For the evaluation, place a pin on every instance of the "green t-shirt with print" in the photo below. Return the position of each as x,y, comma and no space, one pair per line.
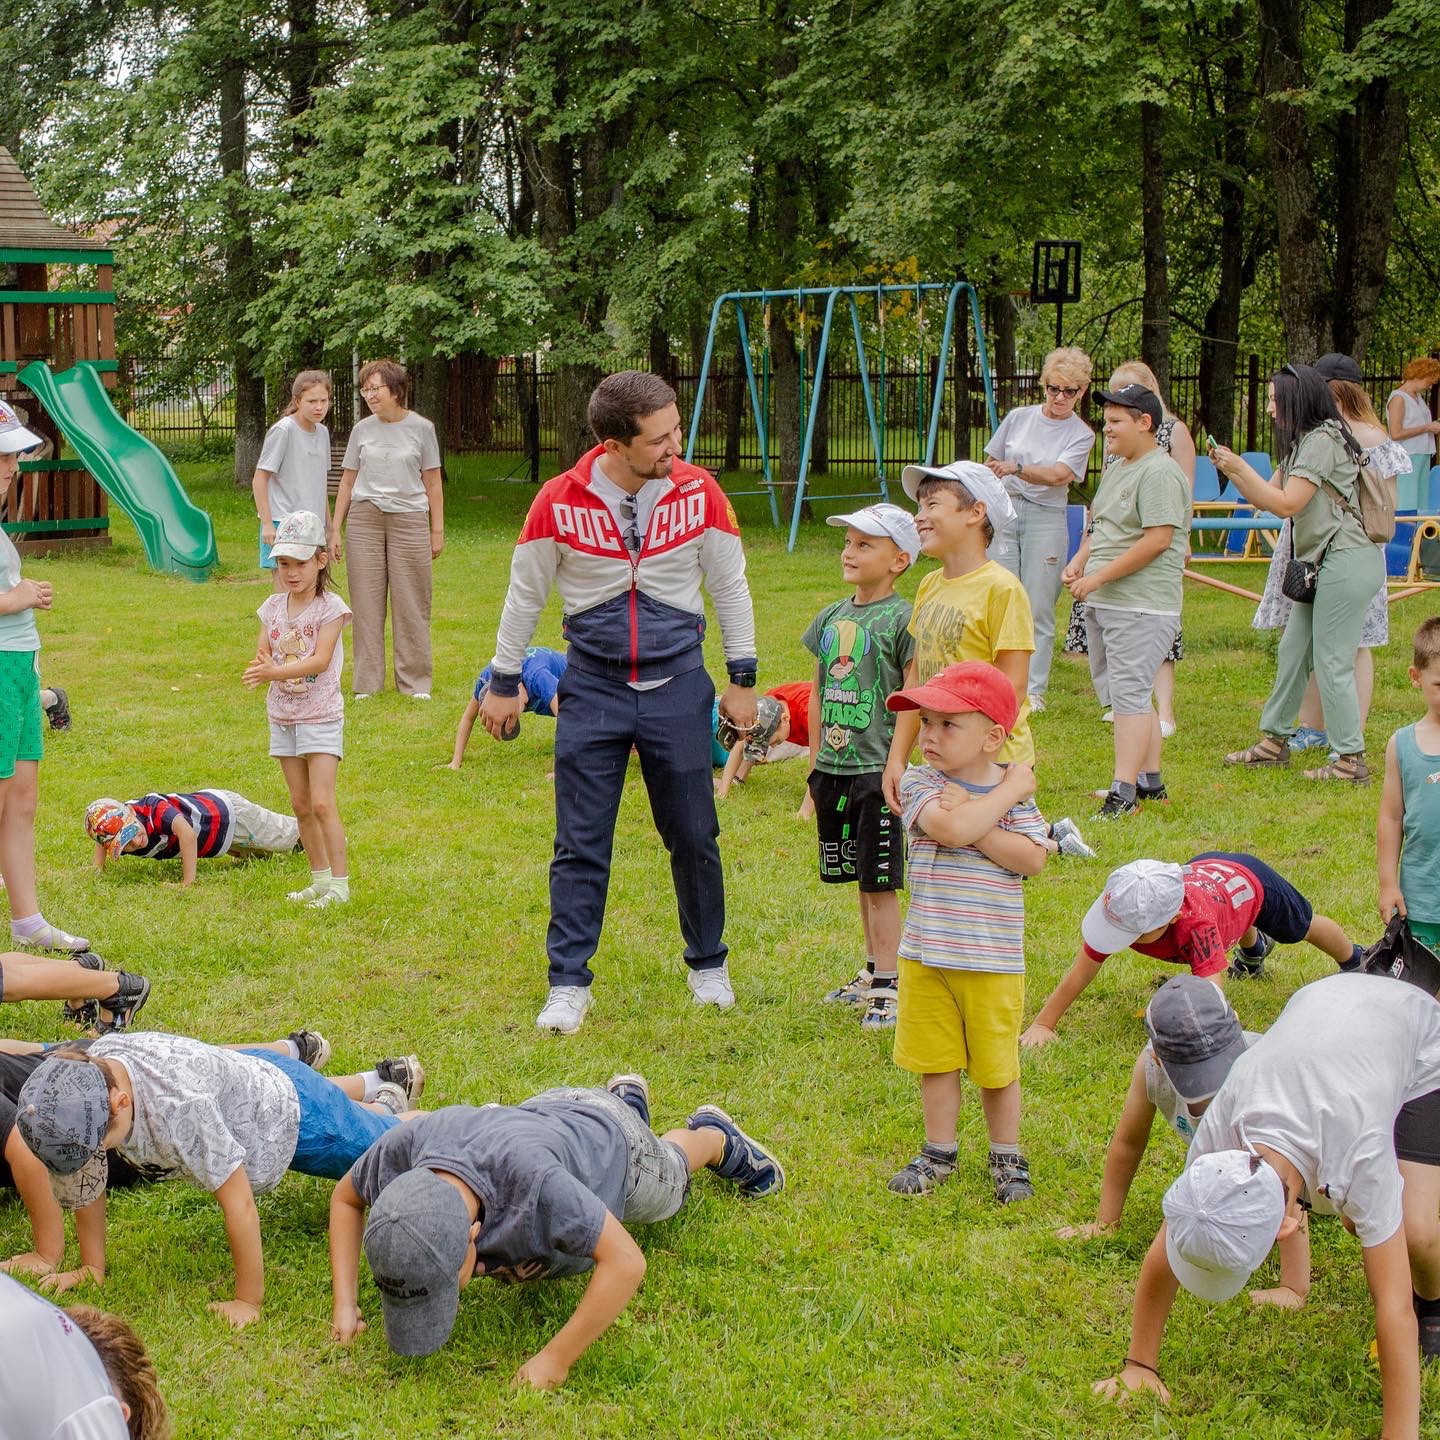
863,651
1320,456
1135,496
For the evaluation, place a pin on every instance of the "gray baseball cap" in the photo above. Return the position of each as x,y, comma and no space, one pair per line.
1195,1035
64,1111
415,1241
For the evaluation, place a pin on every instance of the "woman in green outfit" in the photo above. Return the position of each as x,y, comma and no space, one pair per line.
20,717
1318,488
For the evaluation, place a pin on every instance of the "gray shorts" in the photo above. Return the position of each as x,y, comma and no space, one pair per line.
1127,648
657,1175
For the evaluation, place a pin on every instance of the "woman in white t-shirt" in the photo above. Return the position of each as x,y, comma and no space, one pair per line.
390,494
294,465
1039,451
1409,421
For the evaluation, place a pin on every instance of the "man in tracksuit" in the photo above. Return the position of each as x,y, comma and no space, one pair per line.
629,535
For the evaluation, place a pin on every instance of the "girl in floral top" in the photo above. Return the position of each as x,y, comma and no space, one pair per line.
300,653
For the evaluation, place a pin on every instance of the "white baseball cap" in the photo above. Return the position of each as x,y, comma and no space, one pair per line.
15,439
298,536
887,521
1221,1218
1140,896
978,479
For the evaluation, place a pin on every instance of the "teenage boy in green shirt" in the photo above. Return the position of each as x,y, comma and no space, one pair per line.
1129,573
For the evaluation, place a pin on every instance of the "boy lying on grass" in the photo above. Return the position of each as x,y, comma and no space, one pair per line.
1193,914
523,1192
230,1121
1304,1120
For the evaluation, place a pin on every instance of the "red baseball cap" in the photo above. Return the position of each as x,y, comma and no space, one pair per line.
973,685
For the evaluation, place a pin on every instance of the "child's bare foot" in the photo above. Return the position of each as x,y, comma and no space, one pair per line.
1281,1295
1091,1230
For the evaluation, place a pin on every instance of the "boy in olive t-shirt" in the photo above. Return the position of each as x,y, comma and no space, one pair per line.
863,645
1129,573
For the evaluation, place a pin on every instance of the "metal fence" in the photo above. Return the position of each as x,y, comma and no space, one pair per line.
506,405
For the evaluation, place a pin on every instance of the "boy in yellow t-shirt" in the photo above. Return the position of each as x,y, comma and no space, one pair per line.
972,608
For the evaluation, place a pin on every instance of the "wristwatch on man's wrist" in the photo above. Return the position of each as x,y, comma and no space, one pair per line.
745,679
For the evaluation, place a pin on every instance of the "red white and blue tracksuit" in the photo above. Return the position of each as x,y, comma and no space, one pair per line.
630,619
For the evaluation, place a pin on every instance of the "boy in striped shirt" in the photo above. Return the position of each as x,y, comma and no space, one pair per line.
974,832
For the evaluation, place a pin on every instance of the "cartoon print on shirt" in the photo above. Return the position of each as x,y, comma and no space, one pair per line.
288,646
843,707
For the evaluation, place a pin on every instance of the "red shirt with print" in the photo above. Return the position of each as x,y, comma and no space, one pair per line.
1221,902
796,699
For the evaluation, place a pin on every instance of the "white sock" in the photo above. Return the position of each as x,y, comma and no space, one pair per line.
338,885
291,1049
372,1085
320,879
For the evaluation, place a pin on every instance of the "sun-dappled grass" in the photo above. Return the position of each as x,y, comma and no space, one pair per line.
835,1309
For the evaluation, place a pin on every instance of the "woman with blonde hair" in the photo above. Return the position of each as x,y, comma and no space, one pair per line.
1173,436
1039,452
1408,418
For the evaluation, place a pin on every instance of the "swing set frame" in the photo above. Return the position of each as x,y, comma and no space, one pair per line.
828,298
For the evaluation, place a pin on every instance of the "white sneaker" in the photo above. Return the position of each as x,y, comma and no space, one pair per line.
1108,718
421,695
711,987
363,695
1037,704
565,1010
1167,729
329,897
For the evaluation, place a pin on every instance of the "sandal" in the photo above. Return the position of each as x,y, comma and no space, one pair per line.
1266,751
1350,768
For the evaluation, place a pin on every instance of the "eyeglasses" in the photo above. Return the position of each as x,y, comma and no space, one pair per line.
373,391
1068,391
630,514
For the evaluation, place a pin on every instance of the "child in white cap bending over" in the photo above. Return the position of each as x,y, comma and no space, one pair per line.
1194,1040
1193,914
1304,1120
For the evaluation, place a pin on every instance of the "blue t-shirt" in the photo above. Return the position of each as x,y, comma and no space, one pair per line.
540,675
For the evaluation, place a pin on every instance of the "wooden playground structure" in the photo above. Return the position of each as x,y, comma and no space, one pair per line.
55,504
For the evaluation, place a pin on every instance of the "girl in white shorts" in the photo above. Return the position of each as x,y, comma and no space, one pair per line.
300,652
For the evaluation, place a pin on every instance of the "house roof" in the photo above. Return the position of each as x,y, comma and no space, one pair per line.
24,224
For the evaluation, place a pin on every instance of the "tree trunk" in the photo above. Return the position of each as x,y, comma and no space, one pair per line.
573,385
1155,306
239,255
1220,345
1304,279
1369,144
1000,323
661,359
430,395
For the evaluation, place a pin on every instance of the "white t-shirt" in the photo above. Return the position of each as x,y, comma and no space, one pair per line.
1162,1095
1415,412
201,1113
1323,1086
390,456
53,1384
299,463
1030,437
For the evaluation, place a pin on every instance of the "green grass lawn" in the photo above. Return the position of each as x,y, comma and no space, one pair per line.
835,1309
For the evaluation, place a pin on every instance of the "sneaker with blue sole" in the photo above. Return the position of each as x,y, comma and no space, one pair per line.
745,1160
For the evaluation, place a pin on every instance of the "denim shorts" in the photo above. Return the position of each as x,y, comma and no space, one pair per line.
335,1131
657,1174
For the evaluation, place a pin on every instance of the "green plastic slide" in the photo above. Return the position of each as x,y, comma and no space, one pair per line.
178,536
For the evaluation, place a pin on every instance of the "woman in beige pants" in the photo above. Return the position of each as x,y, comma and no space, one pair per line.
390,493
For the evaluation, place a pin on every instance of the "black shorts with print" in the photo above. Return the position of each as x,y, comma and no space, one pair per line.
861,838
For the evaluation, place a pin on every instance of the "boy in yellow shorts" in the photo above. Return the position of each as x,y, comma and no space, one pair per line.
974,833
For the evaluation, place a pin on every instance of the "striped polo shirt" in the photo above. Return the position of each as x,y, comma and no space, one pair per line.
207,813
966,912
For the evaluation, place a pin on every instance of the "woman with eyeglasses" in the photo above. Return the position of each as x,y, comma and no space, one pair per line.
390,494
1317,488
1039,452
